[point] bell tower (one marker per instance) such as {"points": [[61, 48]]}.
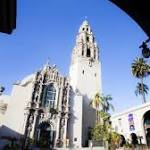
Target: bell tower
{"points": [[85, 80], [86, 46], [85, 71]]}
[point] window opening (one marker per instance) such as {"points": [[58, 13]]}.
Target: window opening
{"points": [[94, 54], [87, 38], [82, 52], [88, 54], [50, 96]]}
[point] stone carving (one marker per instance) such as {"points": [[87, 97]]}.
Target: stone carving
{"points": [[49, 75]]}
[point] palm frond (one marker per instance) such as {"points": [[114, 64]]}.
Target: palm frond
{"points": [[140, 68], [139, 90]]}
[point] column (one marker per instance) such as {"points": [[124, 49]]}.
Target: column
{"points": [[57, 128], [25, 122], [34, 124], [65, 131]]}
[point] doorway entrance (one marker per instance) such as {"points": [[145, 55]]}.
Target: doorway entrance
{"points": [[147, 127], [46, 135]]}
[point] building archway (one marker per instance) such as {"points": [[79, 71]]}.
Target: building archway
{"points": [[146, 124], [46, 135]]}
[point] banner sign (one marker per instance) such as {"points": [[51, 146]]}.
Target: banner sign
{"points": [[131, 122]]}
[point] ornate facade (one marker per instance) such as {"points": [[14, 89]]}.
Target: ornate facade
{"points": [[48, 110]]}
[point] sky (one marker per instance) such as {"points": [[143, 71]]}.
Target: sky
{"points": [[47, 29]]}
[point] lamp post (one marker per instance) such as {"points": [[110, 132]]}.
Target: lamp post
{"points": [[145, 49]]}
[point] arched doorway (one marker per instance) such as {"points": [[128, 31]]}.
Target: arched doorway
{"points": [[122, 141], [147, 127], [134, 140], [46, 135]]}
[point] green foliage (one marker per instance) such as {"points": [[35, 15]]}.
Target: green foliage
{"points": [[115, 138], [106, 105], [103, 101], [96, 101], [140, 68], [128, 145], [141, 88], [101, 132], [102, 105], [11, 147], [105, 116]]}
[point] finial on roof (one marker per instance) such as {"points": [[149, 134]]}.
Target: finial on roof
{"points": [[48, 60], [47, 64], [54, 66], [85, 22], [86, 17]]}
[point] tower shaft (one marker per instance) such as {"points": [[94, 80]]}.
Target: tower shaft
{"points": [[85, 79]]}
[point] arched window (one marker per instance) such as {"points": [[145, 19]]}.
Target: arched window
{"points": [[87, 39], [50, 96], [88, 54]]}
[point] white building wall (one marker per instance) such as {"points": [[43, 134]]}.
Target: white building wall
{"points": [[138, 113], [15, 114], [87, 84], [75, 125], [86, 77]]}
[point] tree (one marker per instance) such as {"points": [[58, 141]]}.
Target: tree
{"points": [[115, 139], [106, 103], [106, 106], [140, 69], [102, 105], [96, 103], [104, 133], [104, 115], [139, 90], [101, 132]]}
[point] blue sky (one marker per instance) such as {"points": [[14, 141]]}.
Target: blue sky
{"points": [[48, 29]]}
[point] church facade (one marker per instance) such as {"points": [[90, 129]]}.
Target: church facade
{"points": [[54, 110]]}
